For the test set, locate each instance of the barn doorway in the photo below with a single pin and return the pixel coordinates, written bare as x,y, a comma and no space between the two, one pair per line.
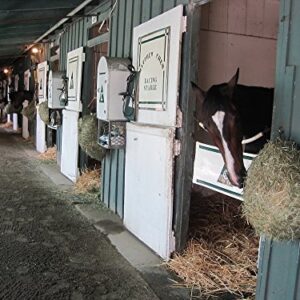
222,251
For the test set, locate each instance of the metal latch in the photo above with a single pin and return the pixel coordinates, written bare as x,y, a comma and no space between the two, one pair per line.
177,147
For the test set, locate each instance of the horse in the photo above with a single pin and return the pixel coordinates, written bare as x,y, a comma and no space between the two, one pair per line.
17,98
233,115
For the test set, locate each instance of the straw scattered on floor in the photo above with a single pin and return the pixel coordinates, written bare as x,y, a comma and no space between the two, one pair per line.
221,256
88,182
49,155
7,125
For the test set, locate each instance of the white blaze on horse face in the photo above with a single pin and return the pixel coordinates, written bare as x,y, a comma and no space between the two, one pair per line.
218,119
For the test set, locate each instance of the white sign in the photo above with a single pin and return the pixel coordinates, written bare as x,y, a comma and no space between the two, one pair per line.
42,80
73,71
153,64
74,74
210,171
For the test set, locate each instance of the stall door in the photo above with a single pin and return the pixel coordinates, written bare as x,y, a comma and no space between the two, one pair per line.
148,203
70,145
69,151
40,125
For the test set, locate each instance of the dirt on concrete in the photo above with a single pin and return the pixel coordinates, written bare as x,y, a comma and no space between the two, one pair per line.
47,249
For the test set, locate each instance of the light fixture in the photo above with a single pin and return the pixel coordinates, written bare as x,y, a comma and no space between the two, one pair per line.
5,71
34,50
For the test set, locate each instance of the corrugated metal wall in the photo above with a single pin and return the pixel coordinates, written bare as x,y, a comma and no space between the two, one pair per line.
73,36
126,15
129,14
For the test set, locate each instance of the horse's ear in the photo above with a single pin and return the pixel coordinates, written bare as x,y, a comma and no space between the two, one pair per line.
198,92
233,82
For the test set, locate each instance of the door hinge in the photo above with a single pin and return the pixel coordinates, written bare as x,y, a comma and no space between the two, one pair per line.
177,147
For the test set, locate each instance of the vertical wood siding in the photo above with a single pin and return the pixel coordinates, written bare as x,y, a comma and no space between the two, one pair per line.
129,14
239,33
125,17
74,36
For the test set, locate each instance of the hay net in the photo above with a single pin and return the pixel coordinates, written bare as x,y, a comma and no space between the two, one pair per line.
43,110
88,133
272,191
30,110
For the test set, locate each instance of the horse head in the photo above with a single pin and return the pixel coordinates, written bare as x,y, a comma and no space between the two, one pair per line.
217,114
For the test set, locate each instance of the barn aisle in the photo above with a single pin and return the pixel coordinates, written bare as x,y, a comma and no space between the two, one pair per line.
47,249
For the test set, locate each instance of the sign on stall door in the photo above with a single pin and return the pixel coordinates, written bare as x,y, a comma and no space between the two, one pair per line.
153,65
156,54
74,75
42,80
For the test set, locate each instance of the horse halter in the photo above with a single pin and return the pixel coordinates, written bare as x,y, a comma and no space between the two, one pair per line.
245,141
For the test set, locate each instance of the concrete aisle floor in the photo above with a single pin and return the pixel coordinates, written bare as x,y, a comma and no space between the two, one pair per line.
48,250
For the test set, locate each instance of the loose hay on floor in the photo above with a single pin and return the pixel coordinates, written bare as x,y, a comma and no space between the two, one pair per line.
272,192
49,155
88,182
7,125
221,256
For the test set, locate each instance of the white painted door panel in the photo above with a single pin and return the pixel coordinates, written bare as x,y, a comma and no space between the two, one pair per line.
156,54
74,74
40,125
40,135
148,204
69,152
25,130
42,70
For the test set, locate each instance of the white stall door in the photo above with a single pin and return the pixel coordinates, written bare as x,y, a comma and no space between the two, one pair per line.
69,151
148,203
40,135
25,131
149,186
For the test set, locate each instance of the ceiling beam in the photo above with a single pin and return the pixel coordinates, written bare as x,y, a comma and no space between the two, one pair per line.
21,4
31,33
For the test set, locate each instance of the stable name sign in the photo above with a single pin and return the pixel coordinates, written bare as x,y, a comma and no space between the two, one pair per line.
153,64
210,171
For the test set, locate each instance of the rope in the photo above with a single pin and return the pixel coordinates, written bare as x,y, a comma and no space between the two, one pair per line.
244,141
128,96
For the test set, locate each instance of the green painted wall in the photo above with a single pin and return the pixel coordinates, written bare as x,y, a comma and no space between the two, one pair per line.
279,264
126,15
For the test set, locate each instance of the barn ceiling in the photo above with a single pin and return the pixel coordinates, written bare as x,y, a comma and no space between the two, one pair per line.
23,21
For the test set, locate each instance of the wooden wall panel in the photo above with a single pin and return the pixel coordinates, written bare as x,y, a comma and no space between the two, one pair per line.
237,16
238,33
218,20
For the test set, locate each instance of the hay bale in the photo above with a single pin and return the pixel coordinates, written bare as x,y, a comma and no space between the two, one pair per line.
272,191
88,127
43,110
29,111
